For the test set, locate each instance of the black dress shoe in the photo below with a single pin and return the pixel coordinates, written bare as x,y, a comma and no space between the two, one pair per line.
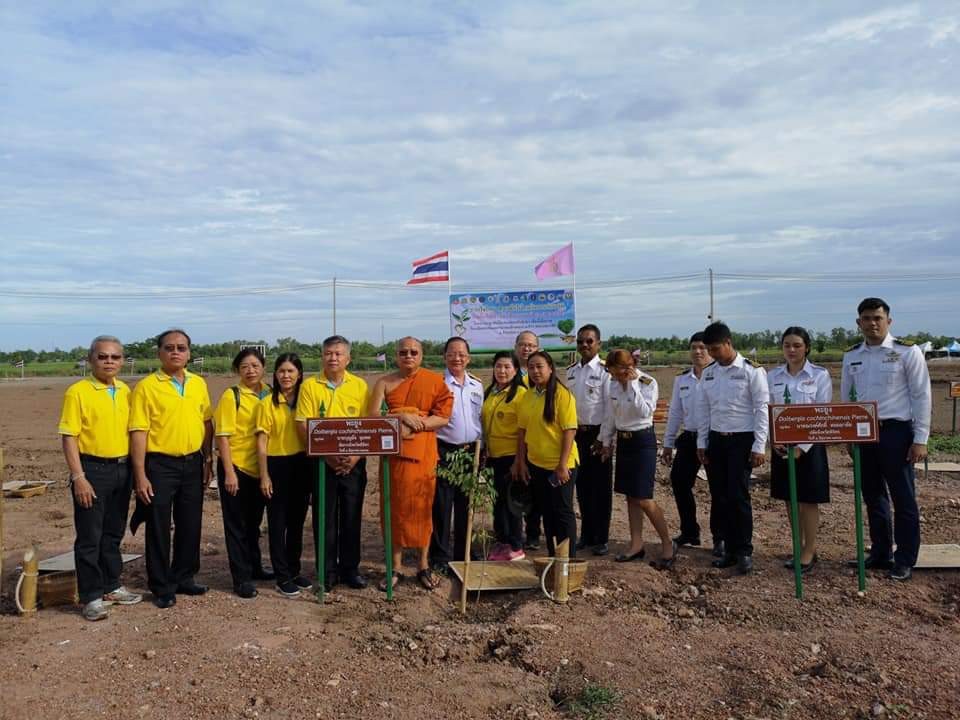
245,590
788,564
719,548
872,563
691,540
191,588
601,549
900,573
165,601
724,562
744,564
355,580
262,574
330,581
581,544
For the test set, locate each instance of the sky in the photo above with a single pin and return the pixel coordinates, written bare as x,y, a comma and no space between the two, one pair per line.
215,165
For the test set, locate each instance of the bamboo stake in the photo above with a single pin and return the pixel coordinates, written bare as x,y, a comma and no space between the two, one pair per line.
561,572
28,583
466,553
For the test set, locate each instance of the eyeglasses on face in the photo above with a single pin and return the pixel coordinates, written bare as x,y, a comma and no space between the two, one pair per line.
109,356
177,348
408,353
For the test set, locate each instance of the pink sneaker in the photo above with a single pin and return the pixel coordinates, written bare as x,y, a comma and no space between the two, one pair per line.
497,552
512,554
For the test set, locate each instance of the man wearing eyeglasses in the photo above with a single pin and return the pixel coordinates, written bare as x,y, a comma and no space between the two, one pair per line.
423,403
461,433
93,432
170,430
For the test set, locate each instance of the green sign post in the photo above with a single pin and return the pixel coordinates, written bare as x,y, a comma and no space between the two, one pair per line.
858,506
387,526
794,510
321,522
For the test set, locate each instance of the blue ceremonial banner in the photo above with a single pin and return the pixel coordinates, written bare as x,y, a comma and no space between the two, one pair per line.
491,321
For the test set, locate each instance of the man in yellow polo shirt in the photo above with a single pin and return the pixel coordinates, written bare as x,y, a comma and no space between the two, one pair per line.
170,429
93,430
341,394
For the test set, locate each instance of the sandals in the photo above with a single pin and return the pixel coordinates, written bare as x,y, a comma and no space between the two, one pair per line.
397,579
428,579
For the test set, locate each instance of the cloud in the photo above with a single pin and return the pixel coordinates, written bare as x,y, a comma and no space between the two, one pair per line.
161,145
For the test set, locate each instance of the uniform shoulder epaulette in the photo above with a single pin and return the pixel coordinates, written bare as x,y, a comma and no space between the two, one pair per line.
604,362
854,346
711,364
684,371
572,365
906,343
646,379
474,377
749,362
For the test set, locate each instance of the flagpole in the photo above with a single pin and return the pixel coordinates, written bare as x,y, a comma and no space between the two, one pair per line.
573,257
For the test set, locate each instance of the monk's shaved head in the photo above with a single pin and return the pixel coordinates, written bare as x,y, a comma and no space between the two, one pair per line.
408,340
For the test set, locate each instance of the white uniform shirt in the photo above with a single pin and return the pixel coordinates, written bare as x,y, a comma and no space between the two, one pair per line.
630,409
465,425
683,406
733,398
896,376
590,385
811,386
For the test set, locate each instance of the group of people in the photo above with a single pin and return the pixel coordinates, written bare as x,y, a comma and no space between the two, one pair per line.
546,438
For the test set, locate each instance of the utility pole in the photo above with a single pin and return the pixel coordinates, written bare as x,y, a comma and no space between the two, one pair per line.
710,316
334,304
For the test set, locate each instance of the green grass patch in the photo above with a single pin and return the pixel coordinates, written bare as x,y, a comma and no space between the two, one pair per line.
944,444
594,702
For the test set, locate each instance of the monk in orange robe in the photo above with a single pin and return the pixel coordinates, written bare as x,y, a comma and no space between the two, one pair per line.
422,401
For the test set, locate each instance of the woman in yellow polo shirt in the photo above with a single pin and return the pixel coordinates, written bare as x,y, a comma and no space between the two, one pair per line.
547,456
241,501
500,430
284,473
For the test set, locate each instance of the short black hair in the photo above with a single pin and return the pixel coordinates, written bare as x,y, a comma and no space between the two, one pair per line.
590,327
872,303
248,351
455,338
162,336
696,337
716,332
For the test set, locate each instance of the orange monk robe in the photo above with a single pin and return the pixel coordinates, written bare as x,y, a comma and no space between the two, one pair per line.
413,473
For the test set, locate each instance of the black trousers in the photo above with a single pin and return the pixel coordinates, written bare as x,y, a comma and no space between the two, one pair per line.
100,528
287,512
344,515
446,500
556,506
177,492
242,515
507,526
729,472
594,489
683,476
886,475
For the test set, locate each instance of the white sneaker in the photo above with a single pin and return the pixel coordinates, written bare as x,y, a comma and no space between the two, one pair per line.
122,596
94,610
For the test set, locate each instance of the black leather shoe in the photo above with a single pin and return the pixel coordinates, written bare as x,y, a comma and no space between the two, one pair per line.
191,588
724,562
165,601
872,563
744,564
900,573
245,590
581,544
262,574
719,548
601,549
355,581
330,581
691,540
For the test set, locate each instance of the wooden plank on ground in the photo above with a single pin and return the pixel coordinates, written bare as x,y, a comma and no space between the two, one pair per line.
939,467
939,557
498,575
65,562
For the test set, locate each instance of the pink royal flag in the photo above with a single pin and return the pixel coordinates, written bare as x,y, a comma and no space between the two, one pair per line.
560,263
382,357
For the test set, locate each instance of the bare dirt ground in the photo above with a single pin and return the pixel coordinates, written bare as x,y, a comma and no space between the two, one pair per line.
692,643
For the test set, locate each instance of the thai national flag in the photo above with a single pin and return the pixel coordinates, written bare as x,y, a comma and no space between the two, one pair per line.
435,268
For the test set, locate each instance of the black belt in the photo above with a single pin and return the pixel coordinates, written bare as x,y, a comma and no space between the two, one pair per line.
462,446
732,434
893,421
587,428
188,456
628,434
691,433
122,460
